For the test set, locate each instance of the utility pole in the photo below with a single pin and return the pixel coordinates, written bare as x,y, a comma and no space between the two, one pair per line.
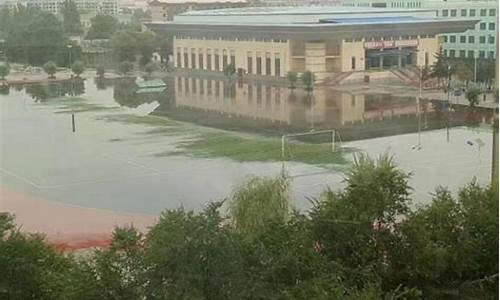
69,46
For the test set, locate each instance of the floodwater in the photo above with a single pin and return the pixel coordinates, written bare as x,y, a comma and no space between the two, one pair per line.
112,163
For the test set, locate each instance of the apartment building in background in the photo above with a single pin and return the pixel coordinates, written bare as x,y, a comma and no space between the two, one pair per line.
479,42
165,10
91,7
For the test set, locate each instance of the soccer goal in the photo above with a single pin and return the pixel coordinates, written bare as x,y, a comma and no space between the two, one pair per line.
319,139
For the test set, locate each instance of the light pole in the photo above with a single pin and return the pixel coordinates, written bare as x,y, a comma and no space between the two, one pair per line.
475,68
69,46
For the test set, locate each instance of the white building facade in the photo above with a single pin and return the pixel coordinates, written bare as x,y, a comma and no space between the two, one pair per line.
94,7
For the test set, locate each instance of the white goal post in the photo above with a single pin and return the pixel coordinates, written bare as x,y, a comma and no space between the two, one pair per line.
285,136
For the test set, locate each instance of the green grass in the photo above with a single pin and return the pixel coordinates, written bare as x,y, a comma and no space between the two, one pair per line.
133,119
246,149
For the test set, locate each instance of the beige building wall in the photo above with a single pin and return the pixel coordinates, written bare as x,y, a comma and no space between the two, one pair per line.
240,49
350,50
427,48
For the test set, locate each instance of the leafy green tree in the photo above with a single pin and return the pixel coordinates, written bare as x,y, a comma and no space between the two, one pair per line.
50,68
4,70
31,269
71,18
151,67
307,79
259,202
78,67
125,67
100,71
229,71
292,79
102,27
472,96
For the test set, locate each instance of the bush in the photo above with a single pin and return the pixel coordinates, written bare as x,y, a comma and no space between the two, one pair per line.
100,71
151,67
125,67
4,70
50,68
78,67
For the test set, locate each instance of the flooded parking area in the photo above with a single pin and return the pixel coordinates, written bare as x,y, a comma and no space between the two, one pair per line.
137,154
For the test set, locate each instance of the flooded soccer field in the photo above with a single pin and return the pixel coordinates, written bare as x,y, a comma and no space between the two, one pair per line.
133,154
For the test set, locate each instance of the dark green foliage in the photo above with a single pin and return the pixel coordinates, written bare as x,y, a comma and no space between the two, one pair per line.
292,78
71,18
127,44
102,27
34,37
362,242
4,70
100,71
50,68
78,67
307,80
472,96
125,67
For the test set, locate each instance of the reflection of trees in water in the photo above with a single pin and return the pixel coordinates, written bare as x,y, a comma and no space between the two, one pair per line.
4,89
43,92
125,94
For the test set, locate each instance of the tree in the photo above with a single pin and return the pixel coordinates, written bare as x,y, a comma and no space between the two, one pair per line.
292,79
472,96
4,70
71,18
102,27
125,67
464,72
151,67
229,71
259,202
307,79
442,68
100,71
78,67
50,68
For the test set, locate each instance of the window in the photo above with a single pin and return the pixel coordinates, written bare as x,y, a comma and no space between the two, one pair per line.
217,60
179,58
492,12
353,63
193,59
445,39
224,60
444,13
482,40
209,59
268,64
452,53
233,58
470,54
259,65
471,39
453,12
482,54
463,39
445,52
186,60
463,13
249,64
462,53
200,61
491,39
482,26
491,26
453,39
482,12
472,13
277,65
491,54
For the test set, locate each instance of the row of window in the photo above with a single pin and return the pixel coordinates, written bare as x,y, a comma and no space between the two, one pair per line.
232,39
470,39
483,12
201,61
390,38
482,26
468,54
406,4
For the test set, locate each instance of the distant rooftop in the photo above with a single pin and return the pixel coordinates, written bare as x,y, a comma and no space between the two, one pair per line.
196,1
